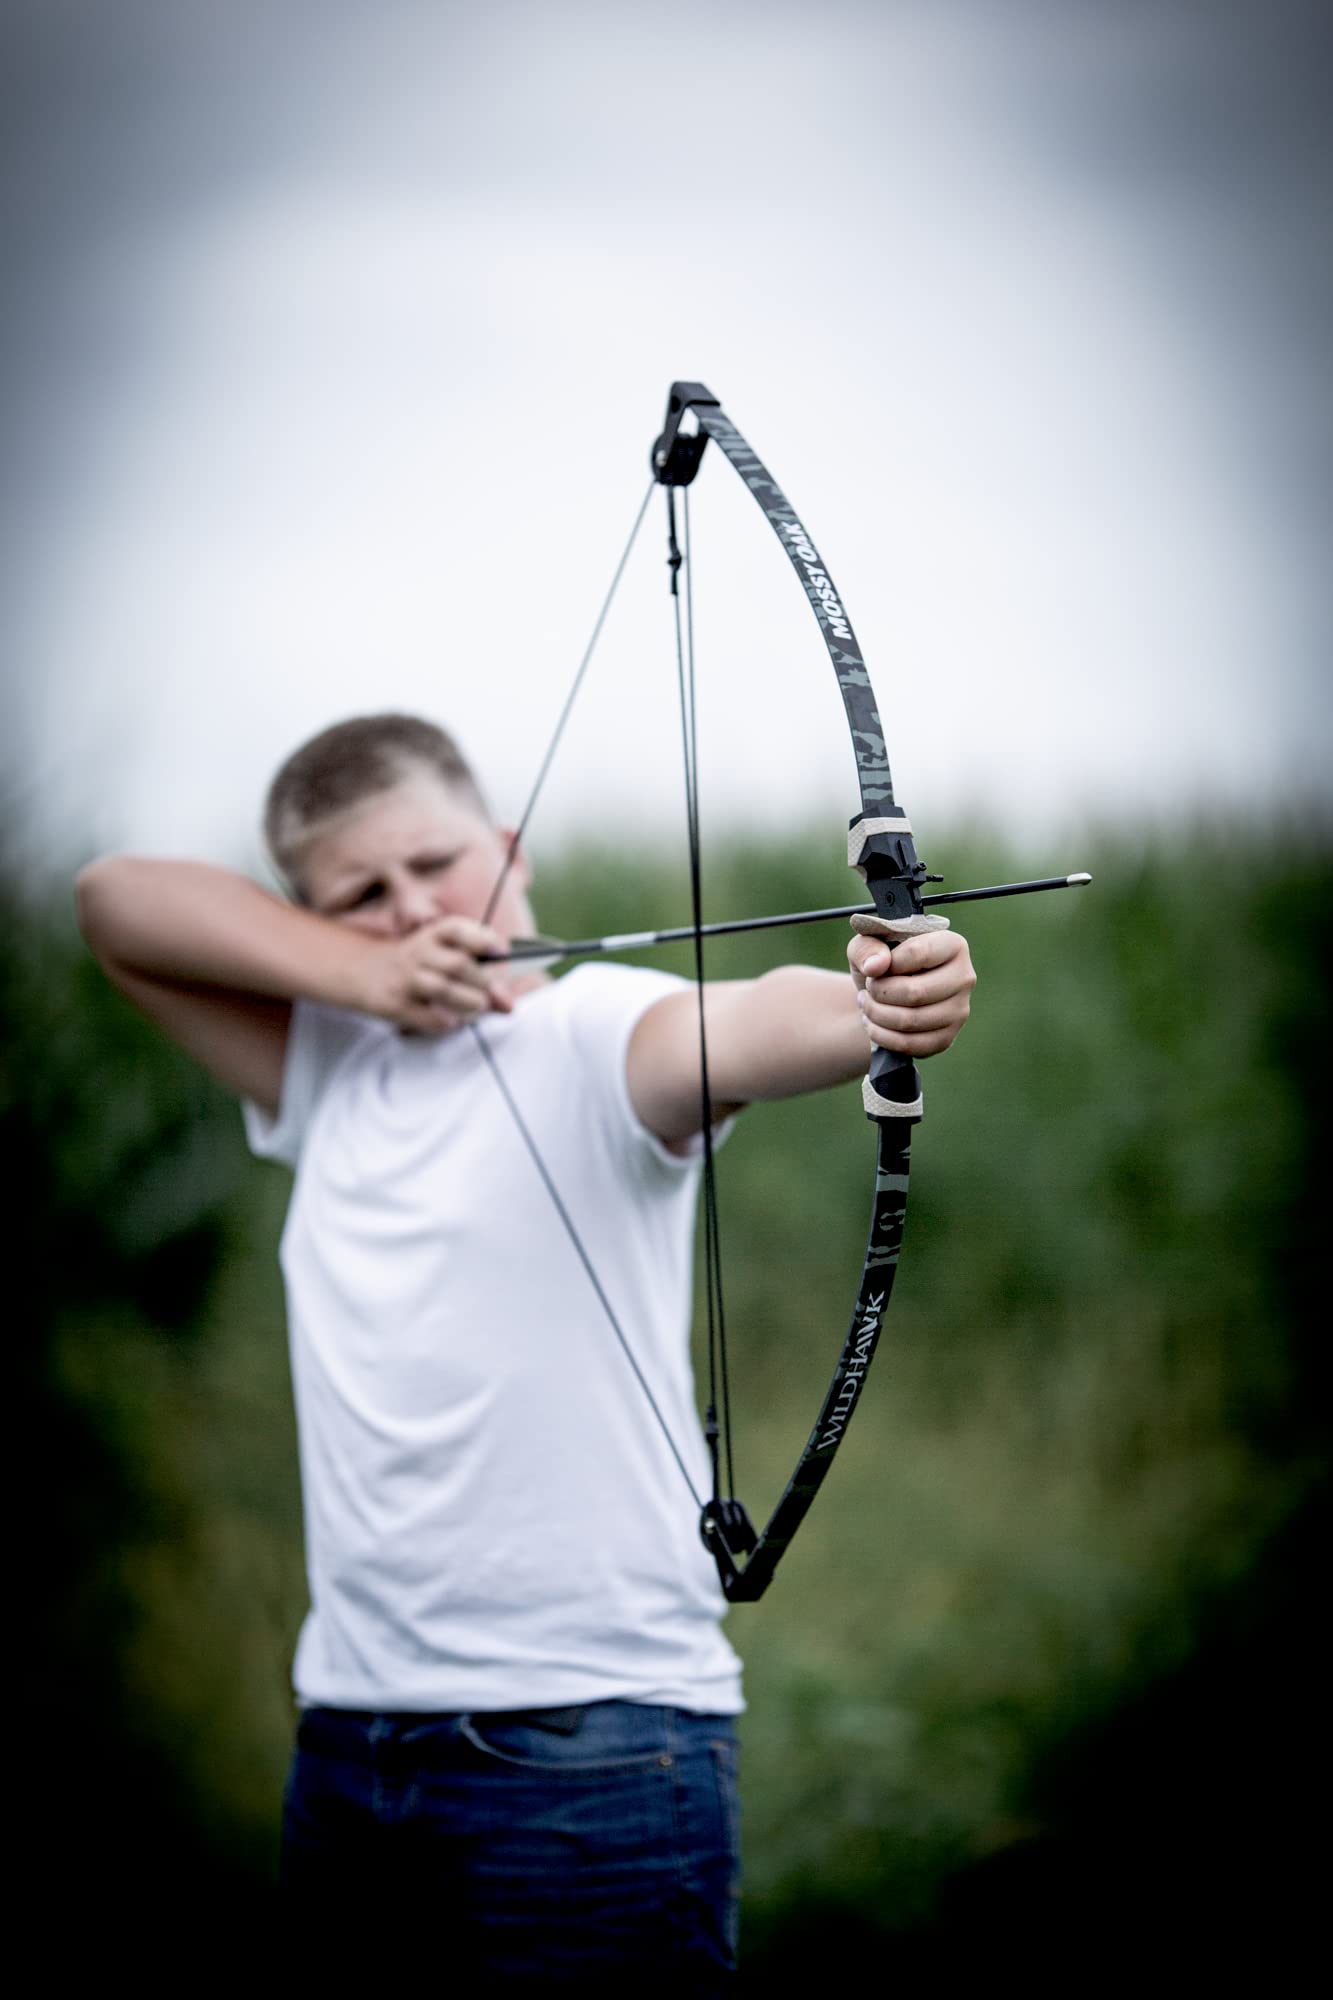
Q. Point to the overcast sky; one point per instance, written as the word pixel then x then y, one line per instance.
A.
pixel 336 337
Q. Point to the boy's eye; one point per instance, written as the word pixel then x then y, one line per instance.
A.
pixel 356 899
pixel 422 864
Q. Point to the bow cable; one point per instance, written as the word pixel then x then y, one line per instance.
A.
pixel 571 1231
pixel 559 730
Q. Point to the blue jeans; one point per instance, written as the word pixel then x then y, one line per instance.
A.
pixel 563 1844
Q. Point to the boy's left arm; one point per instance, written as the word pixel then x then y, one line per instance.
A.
pixel 797 1029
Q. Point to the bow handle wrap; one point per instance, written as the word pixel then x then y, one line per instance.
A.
pixel 892 1087
pixel 881 850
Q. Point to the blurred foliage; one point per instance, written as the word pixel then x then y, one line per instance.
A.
pixel 1039 1648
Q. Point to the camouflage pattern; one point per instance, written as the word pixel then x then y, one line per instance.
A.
pixel 743 1585
pixel 858 697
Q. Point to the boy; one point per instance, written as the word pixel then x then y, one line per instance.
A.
pixel 517 1703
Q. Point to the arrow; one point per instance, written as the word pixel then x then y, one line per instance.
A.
pixel 551 949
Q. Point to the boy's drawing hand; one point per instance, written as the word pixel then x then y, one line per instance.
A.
pixel 430 982
pixel 916 996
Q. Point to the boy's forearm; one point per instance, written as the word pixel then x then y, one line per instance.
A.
pixel 793 1030
pixel 186 921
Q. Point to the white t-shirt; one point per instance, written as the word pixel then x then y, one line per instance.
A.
pixel 493 1517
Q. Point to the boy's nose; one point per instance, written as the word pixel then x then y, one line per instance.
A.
pixel 413 907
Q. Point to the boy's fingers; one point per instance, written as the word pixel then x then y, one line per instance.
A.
pixel 468 988
pixel 922 989
pixel 932 1044
pixel 931 948
pixel 873 958
pixel 868 957
pixel 447 959
pixel 910 1021
pixel 467 999
pixel 476 939
pixel 943 978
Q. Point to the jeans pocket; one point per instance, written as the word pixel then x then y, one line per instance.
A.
pixel 587 1752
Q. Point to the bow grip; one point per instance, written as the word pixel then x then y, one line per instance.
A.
pixel 892 1087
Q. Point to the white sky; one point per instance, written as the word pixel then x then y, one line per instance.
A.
pixel 347 329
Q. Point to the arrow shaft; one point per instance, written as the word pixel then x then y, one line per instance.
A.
pixel 553 948
pixel 1011 889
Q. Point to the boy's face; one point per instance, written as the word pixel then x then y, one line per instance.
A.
pixel 404 857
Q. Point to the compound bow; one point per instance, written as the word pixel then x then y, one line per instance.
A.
pixel 880 847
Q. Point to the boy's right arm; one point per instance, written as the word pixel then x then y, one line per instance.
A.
pixel 216 961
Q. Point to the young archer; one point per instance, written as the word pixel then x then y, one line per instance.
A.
pixel 516 1698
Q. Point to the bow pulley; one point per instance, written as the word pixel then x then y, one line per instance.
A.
pixel 676 453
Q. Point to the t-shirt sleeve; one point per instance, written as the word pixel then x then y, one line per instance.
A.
pixel 606 1004
pixel 317 1041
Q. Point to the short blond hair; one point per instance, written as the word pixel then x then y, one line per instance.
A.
pixel 349 762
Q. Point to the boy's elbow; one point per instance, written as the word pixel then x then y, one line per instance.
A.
pixel 86 886
pixel 97 894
